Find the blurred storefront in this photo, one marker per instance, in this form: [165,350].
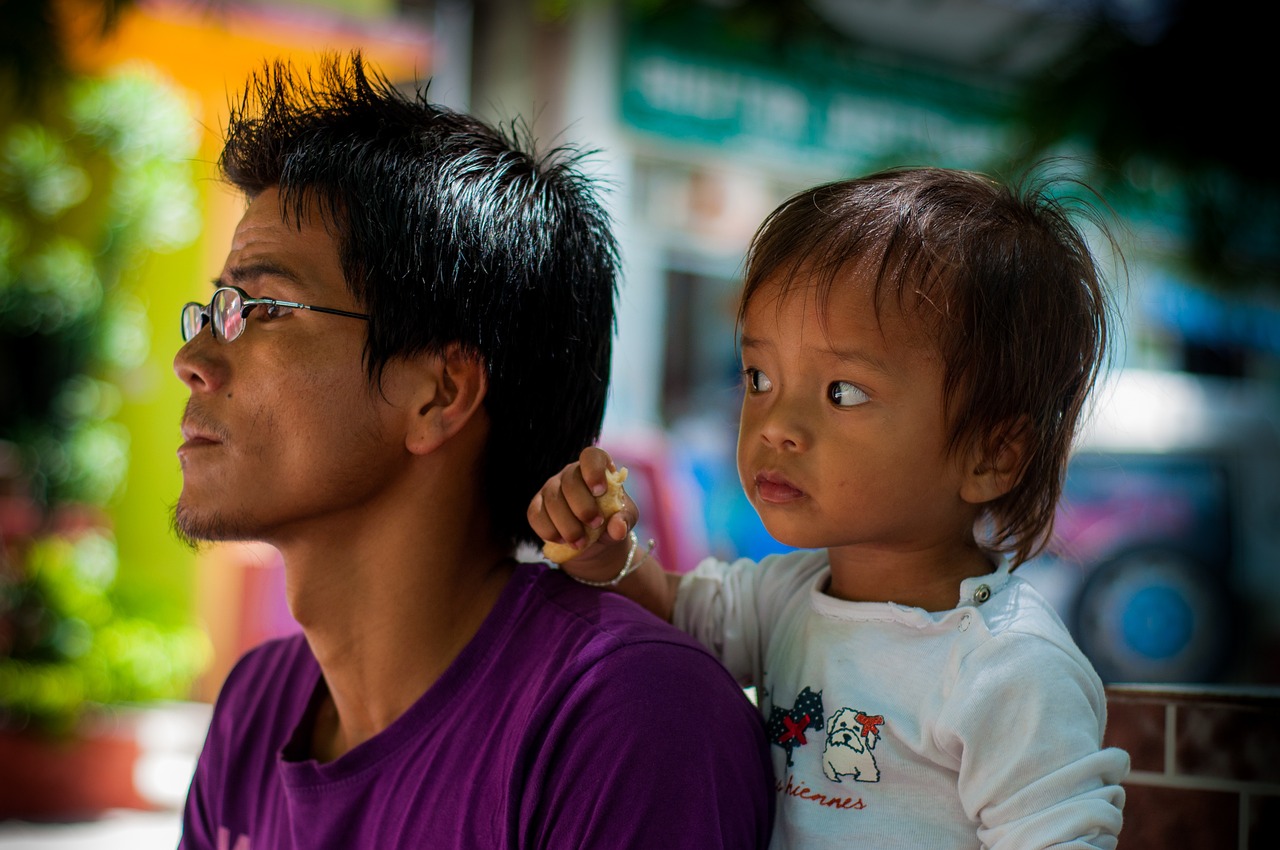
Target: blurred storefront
[706,119]
[703,119]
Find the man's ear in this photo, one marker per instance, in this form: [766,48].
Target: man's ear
[448,397]
[995,466]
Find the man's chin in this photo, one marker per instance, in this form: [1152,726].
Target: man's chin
[194,527]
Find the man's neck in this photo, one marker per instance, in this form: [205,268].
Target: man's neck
[386,608]
[373,678]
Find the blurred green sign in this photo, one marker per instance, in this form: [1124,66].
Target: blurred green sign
[692,82]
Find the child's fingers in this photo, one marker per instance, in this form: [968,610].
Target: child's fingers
[537,517]
[547,509]
[564,509]
[540,521]
[593,463]
[621,523]
[577,497]
[567,511]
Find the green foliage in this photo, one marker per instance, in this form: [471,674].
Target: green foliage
[83,192]
[66,647]
[94,173]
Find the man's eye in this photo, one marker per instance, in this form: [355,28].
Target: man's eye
[845,394]
[275,311]
[757,381]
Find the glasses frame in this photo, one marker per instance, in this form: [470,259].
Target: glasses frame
[247,304]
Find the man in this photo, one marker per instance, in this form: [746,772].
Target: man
[411,332]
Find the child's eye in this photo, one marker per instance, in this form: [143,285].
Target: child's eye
[757,381]
[845,394]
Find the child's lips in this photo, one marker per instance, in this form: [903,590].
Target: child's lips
[775,488]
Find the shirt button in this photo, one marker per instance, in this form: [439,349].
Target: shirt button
[982,594]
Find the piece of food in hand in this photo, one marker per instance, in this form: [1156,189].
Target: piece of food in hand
[609,503]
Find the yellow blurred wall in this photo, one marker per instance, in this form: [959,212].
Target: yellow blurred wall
[207,53]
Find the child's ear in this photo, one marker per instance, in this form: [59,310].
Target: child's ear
[995,466]
[448,395]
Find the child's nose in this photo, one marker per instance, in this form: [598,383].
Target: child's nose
[783,426]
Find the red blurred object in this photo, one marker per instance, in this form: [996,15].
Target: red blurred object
[264,612]
[670,501]
[85,775]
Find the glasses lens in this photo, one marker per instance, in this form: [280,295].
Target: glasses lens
[193,319]
[228,314]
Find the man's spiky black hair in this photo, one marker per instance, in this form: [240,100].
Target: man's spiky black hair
[450,231]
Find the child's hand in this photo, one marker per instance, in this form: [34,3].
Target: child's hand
[567,513]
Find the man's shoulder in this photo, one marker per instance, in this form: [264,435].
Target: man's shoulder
[279,655]
[607,653]
[261,700]
[612,693]
[270,669]
[590,611]
[590,628]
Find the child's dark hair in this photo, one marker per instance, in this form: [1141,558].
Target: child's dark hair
[450,231]
[1007,287]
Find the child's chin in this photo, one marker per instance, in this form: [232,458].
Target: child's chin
[792,537]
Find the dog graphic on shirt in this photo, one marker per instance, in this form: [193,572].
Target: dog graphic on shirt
[851,736]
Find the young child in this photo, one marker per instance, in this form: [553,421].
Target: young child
[917,347]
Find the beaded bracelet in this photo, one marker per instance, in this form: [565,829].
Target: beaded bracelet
[628,567]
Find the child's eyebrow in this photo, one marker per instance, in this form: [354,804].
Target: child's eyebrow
[847,355]
[853,355]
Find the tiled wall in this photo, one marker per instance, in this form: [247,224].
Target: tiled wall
[1205,766]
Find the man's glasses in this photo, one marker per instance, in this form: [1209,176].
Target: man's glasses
[229,309]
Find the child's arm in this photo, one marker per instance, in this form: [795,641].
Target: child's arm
[566,510]
[1029,724]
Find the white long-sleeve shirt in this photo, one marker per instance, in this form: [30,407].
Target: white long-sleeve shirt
[893,726]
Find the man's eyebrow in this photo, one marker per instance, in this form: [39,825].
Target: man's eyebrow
[257,269]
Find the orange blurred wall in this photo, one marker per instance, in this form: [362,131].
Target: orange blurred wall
[207,51]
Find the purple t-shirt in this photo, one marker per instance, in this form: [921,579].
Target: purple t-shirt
[573,719]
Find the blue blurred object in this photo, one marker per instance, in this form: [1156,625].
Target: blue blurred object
[1164,562]
[1156,614]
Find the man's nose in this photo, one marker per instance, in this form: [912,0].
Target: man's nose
[199,365]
